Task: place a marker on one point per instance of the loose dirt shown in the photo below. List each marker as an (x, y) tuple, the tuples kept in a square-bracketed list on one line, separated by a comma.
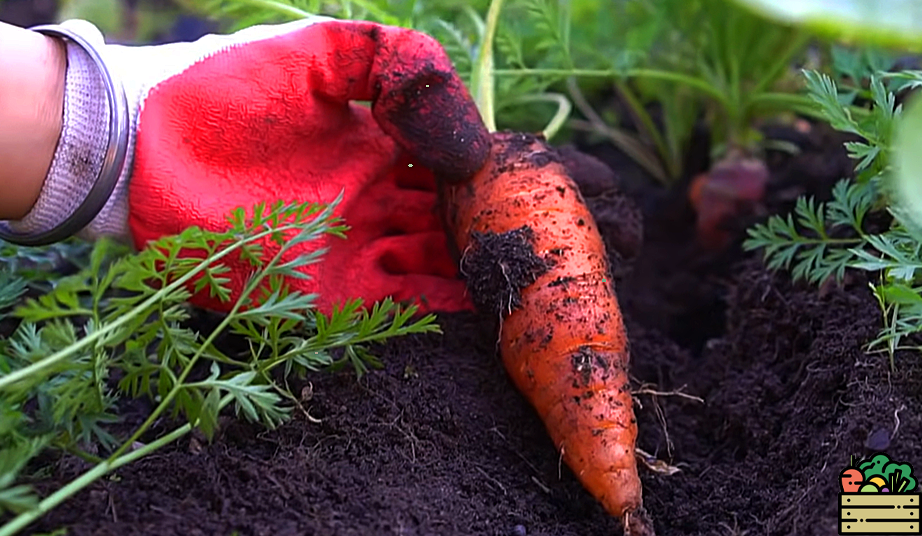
[(440, 442)]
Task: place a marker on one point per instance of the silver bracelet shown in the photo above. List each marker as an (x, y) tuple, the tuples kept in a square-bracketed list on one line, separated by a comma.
[(113, 163)]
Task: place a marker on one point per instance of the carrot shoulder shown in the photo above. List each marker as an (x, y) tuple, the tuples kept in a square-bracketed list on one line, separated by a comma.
[(532, 255)]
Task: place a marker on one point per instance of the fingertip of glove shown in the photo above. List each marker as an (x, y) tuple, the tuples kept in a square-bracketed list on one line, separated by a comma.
[(423, 104), (433, 117), (460, 158)]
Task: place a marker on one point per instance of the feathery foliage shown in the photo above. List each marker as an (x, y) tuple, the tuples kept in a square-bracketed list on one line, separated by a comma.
[(822, 240), (119, 328)]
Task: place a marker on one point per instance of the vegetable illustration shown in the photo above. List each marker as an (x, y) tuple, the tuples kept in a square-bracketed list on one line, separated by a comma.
[(850, 480), (874, 466), (877, 474), (900, 477), (532, 255)]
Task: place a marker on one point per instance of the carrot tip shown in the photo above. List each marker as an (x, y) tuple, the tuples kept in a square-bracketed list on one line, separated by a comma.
[(638, 523)]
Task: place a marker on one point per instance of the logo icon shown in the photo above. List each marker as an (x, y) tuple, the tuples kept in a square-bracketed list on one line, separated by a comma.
[(878, 496)]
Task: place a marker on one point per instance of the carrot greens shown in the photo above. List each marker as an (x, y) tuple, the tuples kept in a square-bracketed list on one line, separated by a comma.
[(868, 224), (671, 63), (119, 329)]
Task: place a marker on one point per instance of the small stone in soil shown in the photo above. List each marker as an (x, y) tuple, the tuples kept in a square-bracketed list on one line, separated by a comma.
[(519, 530), (878, 440)]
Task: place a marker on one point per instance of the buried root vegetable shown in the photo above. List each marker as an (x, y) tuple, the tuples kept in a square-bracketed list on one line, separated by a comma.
[(532, 254)]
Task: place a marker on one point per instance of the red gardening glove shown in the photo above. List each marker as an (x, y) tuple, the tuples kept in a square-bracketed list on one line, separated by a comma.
[(271, 118)]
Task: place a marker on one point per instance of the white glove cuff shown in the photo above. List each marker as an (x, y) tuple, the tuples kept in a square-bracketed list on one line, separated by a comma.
[(100, 121), (81, 147), (76, 181)]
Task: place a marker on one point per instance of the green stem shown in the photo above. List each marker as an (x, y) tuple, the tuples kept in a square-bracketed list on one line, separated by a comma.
[(101, 469), (564, 107), (647, 127), (634, 150), (831, 241), (630, 145), (80, 453), (782, 61), (318, 345), (482, 78), (798, 103), (178, 385), (736, 115), (283, 8), (653, 74), (104, 331)]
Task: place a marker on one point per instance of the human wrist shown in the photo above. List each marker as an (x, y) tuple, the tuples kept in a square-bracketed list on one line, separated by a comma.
[(31, 114), (83, 192)]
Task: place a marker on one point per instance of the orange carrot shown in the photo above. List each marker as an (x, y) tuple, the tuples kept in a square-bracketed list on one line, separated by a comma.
[(726, 193), (531, 253)]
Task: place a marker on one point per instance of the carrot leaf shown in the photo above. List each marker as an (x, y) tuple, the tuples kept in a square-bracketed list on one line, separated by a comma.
[(821, 241), (118, 329)]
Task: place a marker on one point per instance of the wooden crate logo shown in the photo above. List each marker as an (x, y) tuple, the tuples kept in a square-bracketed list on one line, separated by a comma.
[(878, 496)]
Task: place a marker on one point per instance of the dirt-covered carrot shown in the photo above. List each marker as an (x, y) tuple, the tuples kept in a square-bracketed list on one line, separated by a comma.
[(531, 253), (724, 195)]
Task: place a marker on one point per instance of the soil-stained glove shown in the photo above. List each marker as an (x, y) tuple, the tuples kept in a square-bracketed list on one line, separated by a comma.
[(265, 114)]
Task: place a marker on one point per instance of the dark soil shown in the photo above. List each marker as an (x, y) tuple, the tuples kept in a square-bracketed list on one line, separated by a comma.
[(440, 442)]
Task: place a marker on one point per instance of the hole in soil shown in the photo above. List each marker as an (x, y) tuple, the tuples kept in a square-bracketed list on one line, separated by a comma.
[(697, 326)]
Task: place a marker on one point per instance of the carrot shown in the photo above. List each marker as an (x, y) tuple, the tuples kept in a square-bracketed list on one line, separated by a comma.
[(724, 195), (531, 254)]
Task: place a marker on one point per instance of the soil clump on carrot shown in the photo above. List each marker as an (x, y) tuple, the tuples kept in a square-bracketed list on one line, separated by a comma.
[(497, 266), (441, 442)]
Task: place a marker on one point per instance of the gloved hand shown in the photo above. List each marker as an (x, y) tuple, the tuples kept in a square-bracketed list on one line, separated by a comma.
[(265, 114)]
